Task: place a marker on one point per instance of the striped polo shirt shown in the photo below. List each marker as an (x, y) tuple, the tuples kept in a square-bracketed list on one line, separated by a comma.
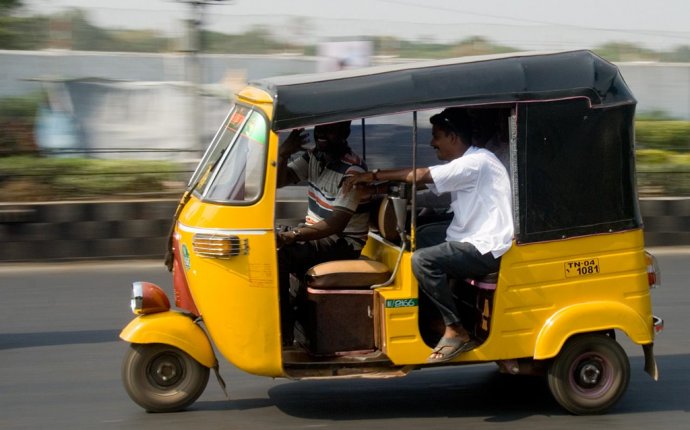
[(325, 193)]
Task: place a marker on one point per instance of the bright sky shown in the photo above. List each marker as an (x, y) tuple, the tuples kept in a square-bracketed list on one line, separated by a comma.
[(530, 24)]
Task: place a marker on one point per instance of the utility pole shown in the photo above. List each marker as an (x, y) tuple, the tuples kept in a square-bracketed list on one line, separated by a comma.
[(193, 46)]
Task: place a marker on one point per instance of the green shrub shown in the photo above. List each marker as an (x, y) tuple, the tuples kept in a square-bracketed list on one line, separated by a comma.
[(652, 156), (661, 172), (654, 115), (33, 178), (669, 135)]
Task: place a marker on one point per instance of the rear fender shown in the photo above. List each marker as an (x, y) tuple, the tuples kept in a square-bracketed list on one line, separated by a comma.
[(586, 318), (171, 328)]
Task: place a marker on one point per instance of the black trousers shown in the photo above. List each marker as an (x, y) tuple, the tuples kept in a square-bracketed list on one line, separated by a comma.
[(435, 260)]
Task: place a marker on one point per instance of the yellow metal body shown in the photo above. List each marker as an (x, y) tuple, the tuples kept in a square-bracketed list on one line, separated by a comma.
[(171, 328), (537, 305)]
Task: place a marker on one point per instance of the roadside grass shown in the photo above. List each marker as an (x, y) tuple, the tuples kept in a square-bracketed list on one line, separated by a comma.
[(28, 178)]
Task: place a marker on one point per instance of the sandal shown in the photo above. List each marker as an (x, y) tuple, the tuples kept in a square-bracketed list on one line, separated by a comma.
[(449, 348)]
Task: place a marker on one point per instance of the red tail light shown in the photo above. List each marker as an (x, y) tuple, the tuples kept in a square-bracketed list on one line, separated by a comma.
[(653, 271)]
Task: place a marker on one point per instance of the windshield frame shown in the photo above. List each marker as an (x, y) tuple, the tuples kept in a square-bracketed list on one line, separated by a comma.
[(194, 179), (202, 193)]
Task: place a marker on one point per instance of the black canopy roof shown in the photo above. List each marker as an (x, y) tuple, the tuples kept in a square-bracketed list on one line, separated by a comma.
[(303, 100)]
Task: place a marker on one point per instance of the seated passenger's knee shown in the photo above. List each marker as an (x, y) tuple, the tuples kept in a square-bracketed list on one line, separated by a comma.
[(416, 263)]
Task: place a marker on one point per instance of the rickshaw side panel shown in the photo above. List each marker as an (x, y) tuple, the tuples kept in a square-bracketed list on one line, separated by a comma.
[(237, 299), (398, 307), (538, 295)]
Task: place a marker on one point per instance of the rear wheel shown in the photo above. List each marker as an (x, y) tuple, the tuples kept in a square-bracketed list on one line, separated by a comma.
[(162, 378), (589, 375)]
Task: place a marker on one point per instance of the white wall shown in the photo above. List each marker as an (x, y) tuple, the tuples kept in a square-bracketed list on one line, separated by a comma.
[(659, 86)]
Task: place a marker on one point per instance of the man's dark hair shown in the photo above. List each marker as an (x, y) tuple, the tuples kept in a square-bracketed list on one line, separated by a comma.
[(342, 128), (456, 121)]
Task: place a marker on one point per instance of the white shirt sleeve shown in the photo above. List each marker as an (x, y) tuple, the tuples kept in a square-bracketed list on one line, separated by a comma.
[(460, 174)]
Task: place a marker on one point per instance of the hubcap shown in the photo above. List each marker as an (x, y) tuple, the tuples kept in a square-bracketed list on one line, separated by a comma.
[(165, 370), (590, 374)]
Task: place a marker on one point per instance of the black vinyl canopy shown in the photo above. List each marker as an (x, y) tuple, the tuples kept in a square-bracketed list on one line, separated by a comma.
[(304, 100)]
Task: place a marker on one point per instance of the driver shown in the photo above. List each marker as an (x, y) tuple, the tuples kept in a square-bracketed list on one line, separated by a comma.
[(337, 222), (480, 232)]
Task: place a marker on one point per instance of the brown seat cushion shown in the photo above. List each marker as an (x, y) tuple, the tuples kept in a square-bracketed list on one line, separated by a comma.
[(344, 274)]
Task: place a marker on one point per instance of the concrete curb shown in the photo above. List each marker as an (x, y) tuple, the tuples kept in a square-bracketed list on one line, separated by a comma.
[(666, 221), (84, 230), (139, 229)]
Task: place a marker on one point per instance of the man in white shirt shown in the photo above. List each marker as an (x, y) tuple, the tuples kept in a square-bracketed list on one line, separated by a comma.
[(480, 232)]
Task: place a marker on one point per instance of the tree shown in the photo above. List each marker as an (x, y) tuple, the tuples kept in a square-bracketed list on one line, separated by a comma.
[(622, 51), (9, 6), (7, 22), (678, 55)]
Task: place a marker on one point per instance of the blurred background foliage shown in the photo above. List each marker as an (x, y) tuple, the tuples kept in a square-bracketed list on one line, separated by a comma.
[(663, 156), (663, 143), (663, 134), (35, 178)]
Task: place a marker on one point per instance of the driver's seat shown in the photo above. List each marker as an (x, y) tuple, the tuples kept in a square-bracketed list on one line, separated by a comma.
[(363, 272), (338, 317)]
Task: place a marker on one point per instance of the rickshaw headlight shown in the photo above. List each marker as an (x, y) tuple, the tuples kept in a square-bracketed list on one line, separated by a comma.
[(148, 298)]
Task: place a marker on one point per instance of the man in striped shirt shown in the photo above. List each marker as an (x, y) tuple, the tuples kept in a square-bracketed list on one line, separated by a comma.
[(337, 222)]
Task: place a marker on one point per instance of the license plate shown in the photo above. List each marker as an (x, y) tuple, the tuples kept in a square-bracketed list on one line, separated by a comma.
[(402, 303), (589, 266)]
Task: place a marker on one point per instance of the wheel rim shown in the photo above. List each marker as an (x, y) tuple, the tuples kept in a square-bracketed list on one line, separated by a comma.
[(165, 370), (591, 375)]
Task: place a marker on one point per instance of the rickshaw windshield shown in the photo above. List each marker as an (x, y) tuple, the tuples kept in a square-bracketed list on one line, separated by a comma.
[(233, 168)]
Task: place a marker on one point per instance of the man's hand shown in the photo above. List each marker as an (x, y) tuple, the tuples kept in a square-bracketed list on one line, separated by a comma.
[(357, 180), (295, 142), (286, 237)]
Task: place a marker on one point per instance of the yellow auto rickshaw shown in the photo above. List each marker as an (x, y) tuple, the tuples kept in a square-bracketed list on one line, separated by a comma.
[(576, 275)]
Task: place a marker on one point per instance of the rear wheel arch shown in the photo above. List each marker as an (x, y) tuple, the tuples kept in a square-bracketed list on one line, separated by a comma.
[(590, 318)]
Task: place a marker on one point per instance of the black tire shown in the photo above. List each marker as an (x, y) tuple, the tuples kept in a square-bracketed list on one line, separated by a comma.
[(589, 375), (162, 378)]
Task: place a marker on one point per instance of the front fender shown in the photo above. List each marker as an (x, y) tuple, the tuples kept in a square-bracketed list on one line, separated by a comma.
[(171, 328), (590, 317)]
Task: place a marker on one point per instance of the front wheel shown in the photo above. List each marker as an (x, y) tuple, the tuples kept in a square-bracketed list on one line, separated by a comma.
[(589, 375), (162, 378)]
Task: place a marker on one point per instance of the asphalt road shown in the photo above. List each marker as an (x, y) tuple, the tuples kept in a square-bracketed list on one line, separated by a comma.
[(60, 369)]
